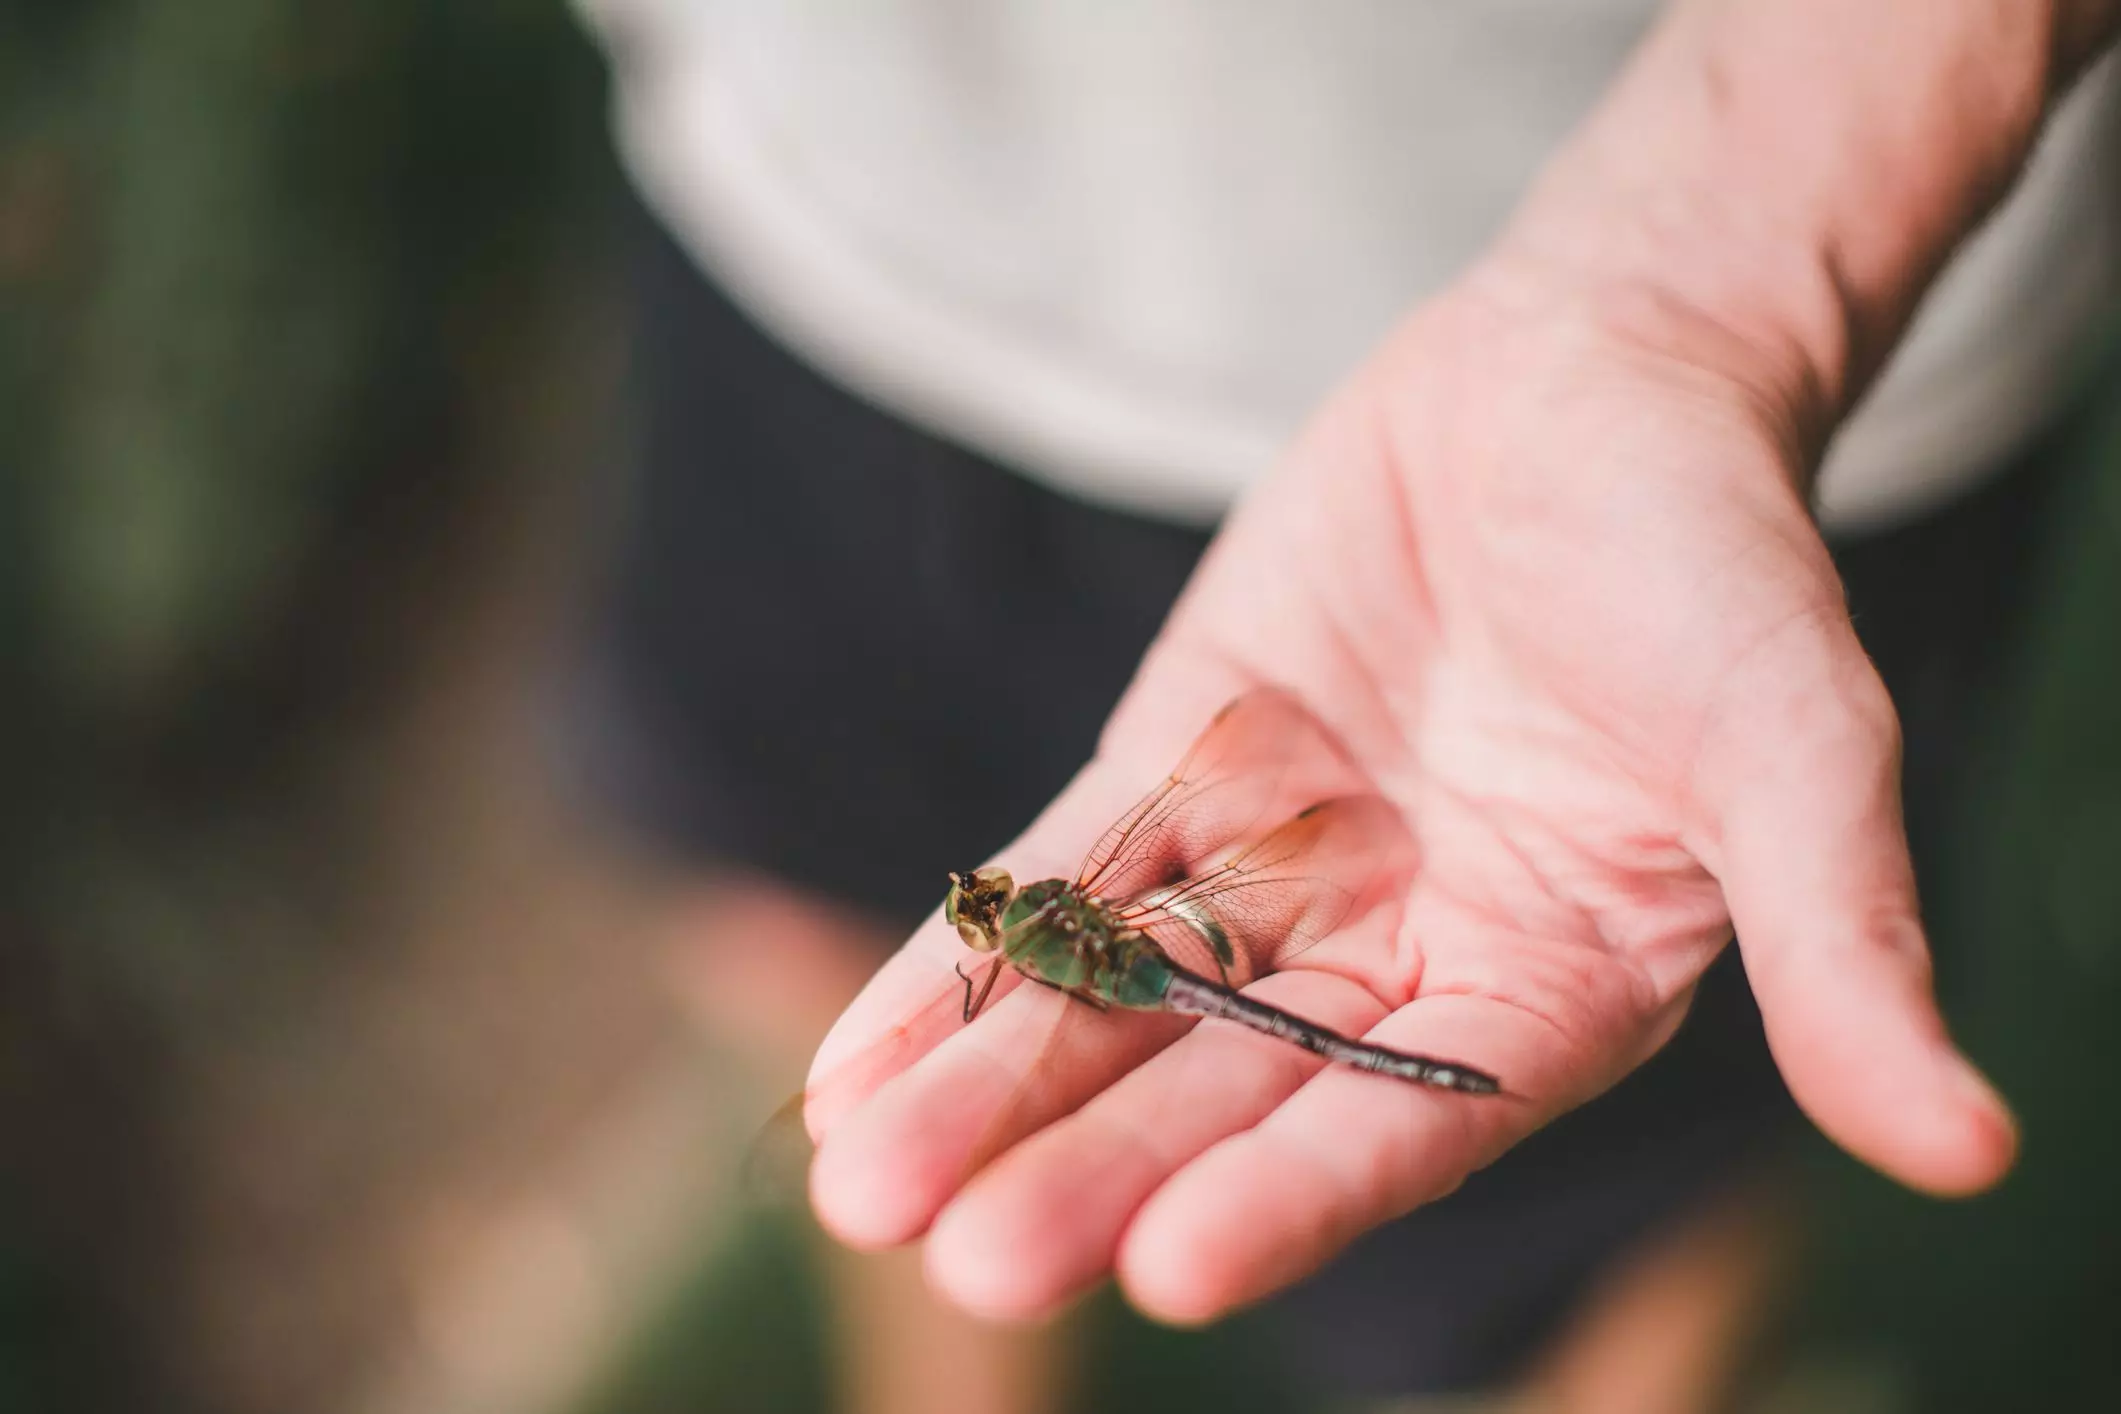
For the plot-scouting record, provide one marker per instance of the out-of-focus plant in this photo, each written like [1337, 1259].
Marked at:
[255, 259]
[250, 255]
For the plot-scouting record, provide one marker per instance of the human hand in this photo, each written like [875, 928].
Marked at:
[1545, 566]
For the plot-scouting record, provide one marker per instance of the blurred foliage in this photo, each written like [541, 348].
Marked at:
[246, 246]
[259, 263]
[749, 1335]
[254, 258]
[746, 1333]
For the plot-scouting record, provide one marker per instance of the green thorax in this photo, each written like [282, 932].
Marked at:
[1058, 934]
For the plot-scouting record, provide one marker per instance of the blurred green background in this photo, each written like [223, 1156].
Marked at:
[318, 1058]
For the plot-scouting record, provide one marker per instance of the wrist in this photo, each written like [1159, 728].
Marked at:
[1744, 316]
[1792, 173]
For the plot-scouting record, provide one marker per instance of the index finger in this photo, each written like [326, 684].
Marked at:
[914, 1002]
[903, 1012]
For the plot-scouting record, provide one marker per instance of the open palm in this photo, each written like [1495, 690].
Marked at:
[1545, 568]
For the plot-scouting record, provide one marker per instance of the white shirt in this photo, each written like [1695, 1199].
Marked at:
[1126, 247]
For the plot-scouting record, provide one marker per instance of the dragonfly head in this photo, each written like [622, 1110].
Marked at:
[975, 903]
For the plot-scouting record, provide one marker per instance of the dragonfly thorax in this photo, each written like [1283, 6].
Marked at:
[1060, 906]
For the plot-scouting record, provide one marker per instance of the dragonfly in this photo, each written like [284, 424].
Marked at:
[1180, 904]
[1183, 900]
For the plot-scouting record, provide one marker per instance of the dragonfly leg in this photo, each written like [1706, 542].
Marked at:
[972, 1003]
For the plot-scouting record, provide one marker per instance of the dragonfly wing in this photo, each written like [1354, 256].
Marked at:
[1221, 790]
[1198, 943]
[777, 1160]
[1263, 904]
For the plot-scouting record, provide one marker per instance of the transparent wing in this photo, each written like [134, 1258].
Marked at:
[1215, 795]
[1263, 904]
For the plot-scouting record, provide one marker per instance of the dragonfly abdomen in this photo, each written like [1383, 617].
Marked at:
[1197, 996]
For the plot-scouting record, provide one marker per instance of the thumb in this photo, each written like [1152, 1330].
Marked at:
[1815, 869]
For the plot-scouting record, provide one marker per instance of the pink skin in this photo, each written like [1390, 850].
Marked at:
[1544, 563]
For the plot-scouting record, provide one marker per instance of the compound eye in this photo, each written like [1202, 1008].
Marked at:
[975, 903]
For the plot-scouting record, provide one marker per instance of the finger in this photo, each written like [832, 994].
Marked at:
[888, 1161]
[899, 1016]
[885, 1169]
[1346, 1152]
[915, 1000]
[912, 1004]
[1043, 1223]
[1814, 864]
